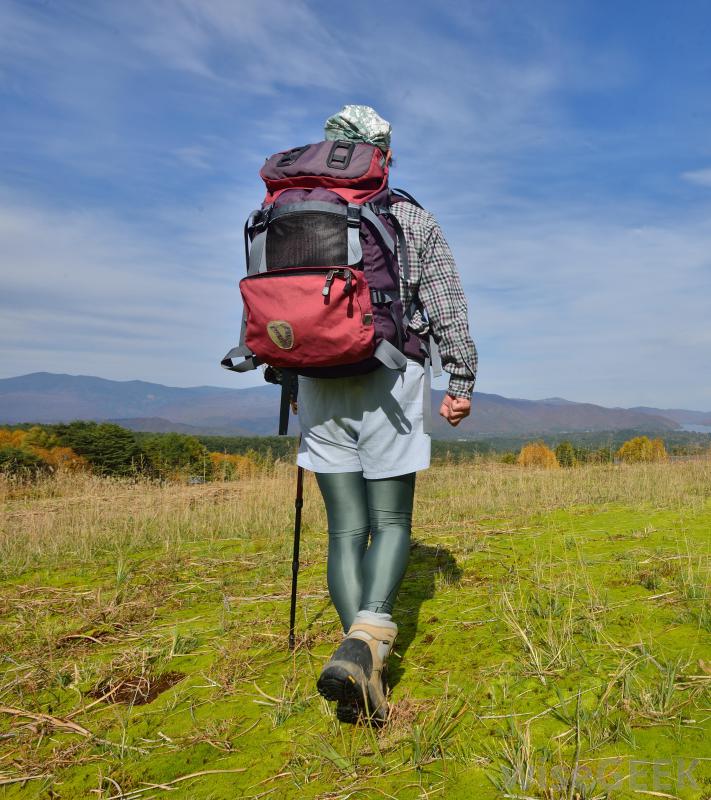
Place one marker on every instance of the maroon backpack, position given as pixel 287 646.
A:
pixel 324 258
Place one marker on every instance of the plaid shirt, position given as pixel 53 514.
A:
pixel 435 281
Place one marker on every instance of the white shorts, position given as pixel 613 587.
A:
pixel 364 423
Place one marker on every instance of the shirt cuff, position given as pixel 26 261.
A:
pixel 460 387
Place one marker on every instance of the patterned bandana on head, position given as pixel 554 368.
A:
pixel 360 124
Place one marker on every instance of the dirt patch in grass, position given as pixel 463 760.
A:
pixel 136 690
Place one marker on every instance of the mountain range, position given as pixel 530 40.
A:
pixel 139 405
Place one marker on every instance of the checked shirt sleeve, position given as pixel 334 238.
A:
pixel 442 296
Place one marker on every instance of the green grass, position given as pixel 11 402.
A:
pixel 555 642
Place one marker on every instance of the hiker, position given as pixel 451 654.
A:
pixel 350 287
pixel 364 436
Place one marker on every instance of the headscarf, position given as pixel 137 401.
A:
pixel 360 124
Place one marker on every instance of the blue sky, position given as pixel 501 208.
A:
pixel 565 148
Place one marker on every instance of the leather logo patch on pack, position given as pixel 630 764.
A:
pixel 281 333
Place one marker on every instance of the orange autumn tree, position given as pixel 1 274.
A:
pixel 642 449
pixel 44 445
pixel 10 438
pixel 537 454
pixel 60 457
pixel 228 466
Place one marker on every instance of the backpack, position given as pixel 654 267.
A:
pixel 324 258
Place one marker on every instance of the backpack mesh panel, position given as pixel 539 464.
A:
pixel 307 239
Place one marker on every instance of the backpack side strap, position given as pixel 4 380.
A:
pixel 433 368
pixel 390 356
pixel 256 258
pixel 250 360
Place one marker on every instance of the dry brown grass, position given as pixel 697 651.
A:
pixel 77 515
pixel 493 488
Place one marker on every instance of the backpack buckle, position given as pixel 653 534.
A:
pixel 261 219
pixel 353 216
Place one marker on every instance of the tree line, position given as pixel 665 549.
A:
pixel 105 448
pixel 108 449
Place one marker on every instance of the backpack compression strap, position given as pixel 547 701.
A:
pixel 255 257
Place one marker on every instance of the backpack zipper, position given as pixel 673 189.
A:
pixel 331 274
pixel 346 274
pixel 329 280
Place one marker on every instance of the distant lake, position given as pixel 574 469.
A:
pixel 696 428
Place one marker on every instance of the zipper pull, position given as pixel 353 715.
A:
pixel 329 280
pixel 349 277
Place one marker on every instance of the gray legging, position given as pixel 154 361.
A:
pixel 362 577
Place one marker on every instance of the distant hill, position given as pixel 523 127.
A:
pixel 679 415
pixel 48 397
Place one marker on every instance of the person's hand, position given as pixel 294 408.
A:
pixel 454 409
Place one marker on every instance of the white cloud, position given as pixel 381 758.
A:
pixel 249 45
pixel 701 177
pixel 441 91
pixel 197 156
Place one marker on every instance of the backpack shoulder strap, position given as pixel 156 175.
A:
pixel 401 194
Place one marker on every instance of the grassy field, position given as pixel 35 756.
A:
pixel 555 640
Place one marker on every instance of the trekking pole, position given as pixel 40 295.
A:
pixel 298 505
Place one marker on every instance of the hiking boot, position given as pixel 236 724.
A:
pixel 355 675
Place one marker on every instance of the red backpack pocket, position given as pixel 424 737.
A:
pixel 309 316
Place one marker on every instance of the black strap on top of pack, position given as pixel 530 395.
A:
pixel 291 156
pixel 341 154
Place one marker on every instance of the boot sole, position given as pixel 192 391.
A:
pixel 350 713
pixel 346 684
pixel 343 682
